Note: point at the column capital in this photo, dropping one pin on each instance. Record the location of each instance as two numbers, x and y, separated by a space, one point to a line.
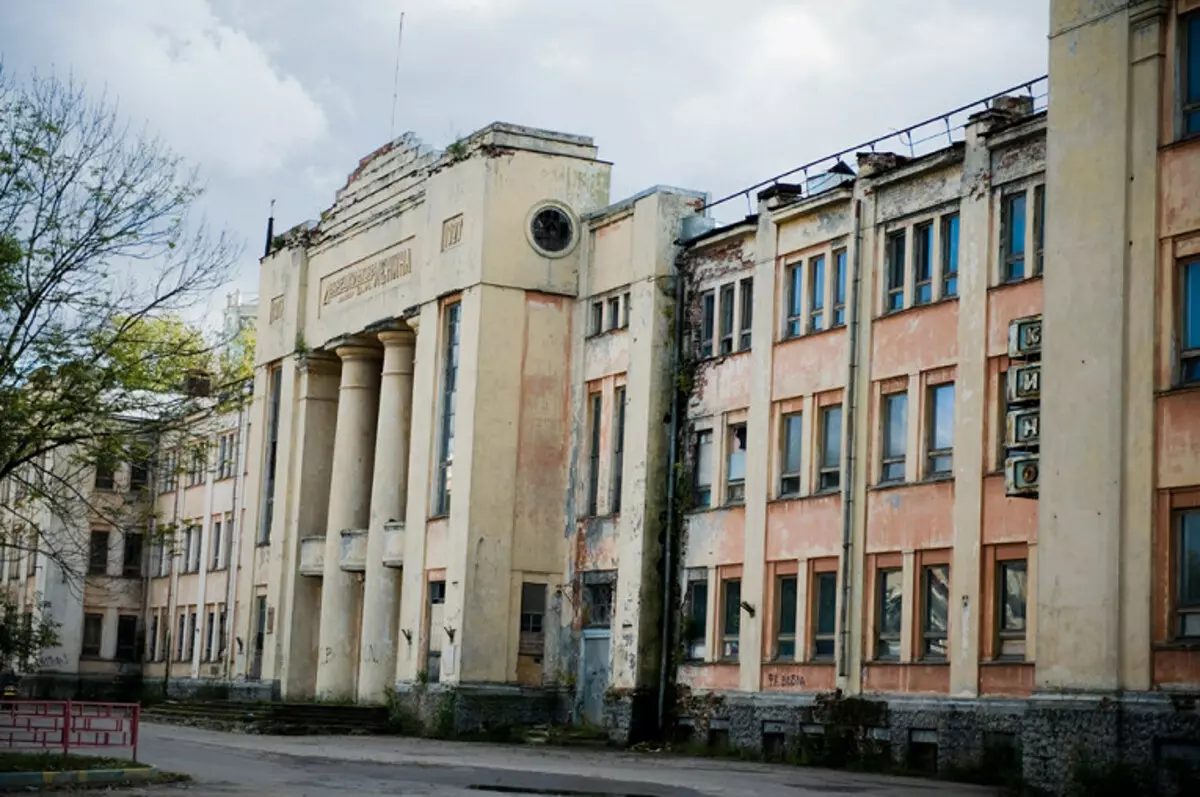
355 349
318 362
397 337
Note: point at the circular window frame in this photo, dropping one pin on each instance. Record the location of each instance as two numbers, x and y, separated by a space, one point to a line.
571 217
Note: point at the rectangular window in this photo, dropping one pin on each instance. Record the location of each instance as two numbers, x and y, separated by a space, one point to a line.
890 606
1190 73
222 455
221 634
726 345
209 632
191 635
131 561
139 474
735 474
795 313
273 391
1010 609
215 545
614 312
156 559
935 612
181 634
923 263
731 617
199 465
170 468
1039 228
106 478
747 315
941 429
449 393
1189 312
708 319
1188 575
950 255
127 625
785 631
702 453
98 553
93 634
593 493
618 448
152 639
789 460
598 603
816 294
625 313
1013 224
696 616
839 288
895 436
197 541
895 271
824 614
533 612
831 447
597 318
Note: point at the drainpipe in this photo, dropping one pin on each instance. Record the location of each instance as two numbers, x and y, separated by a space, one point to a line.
672 434
848 424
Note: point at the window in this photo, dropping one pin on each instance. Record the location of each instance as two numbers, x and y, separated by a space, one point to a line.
228 455
702 452
93 634
747 315
824 615
197 468
221 634
180 637
923 263
816 294
735 474
222 455
726 344
152 639
1190 322
139 474
1190 73
191 635
1188 570
895 434
1010 610
229 531
105 476
598 602
785 630
831 447
98 554
707 321
950 255
208 635
170 467
614 312
1039 228
156 559
276 387
890 597
731 618
194 551
795 313
935 612
1013 225
131 561
597 318
618 452
593 489
215 544
789 465
695 615
839 288
625 313
533 611
941 429
449 393
895 271
127 637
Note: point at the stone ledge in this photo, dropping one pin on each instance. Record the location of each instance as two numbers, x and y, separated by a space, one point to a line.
21 780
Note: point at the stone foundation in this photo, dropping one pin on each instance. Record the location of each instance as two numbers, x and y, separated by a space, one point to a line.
467 709
1149 742
631 716
217 689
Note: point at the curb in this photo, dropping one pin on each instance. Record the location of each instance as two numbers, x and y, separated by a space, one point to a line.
18 780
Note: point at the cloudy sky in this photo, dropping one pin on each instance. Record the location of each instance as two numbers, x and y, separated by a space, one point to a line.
279 98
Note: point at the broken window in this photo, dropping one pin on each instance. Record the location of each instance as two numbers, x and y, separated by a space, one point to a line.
735 474
598 605
895 271
533 611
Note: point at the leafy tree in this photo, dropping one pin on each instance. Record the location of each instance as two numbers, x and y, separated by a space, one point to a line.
22 636
100 260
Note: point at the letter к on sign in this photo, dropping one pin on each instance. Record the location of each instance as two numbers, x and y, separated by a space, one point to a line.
1025 336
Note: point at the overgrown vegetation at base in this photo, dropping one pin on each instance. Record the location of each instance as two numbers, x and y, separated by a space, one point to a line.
57 762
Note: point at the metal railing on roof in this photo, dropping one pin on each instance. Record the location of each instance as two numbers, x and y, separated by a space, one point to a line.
919 139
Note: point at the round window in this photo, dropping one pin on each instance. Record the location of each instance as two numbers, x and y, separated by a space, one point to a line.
552 230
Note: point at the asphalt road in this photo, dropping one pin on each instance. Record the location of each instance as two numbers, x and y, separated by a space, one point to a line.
337 766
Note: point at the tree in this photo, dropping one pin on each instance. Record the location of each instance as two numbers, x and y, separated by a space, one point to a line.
100 260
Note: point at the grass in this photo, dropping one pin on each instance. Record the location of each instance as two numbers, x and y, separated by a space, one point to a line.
57 762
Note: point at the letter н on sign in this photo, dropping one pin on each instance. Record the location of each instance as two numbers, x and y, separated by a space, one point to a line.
1023 428
1025 336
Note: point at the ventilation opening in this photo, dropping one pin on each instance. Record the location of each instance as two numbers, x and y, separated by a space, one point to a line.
718 739
774 745
923 751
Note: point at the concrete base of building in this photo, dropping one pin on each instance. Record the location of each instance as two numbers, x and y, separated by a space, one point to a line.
631 715
111 688
1149 741
466 709
219 689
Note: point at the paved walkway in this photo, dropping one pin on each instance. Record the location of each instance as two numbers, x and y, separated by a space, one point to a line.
325 766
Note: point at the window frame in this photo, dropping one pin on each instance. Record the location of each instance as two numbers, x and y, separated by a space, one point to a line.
1039 228
951 227
930 636
1009 257
887 639
922 263
597 321
1003 634
838 316
696 614
793 317
1189 358
731 615
1182 610
595 410
105 478
452 330
614 313
817 637
626 299
735 489
618 450
934 455
746 314
1189 109
708 323
829 475
727 307
895 251
816 293
86 648
702 449
98 556
787 475
782 636
889 461
132 542
126 650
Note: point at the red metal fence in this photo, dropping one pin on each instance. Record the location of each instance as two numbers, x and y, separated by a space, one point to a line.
68 725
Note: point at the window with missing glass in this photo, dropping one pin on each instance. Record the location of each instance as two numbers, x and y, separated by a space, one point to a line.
895 436
831 448
1187 574
593 490
1012 224
735 472
923 263
950 255
824 615
98 553
1011 588
533 612
941 430
792 429
93 635
896 245
731 617
785 628
702 463
889 593
935 614
598 604
618 448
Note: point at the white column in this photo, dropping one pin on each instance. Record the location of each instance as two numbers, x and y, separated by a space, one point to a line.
389 493
349 507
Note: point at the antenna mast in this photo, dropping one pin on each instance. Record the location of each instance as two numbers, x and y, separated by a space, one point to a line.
396 78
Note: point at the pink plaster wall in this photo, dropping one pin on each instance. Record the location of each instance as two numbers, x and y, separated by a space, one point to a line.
804 528
914 340
914 516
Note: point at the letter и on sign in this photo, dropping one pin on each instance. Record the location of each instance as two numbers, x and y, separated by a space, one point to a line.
1025 336
1024 383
